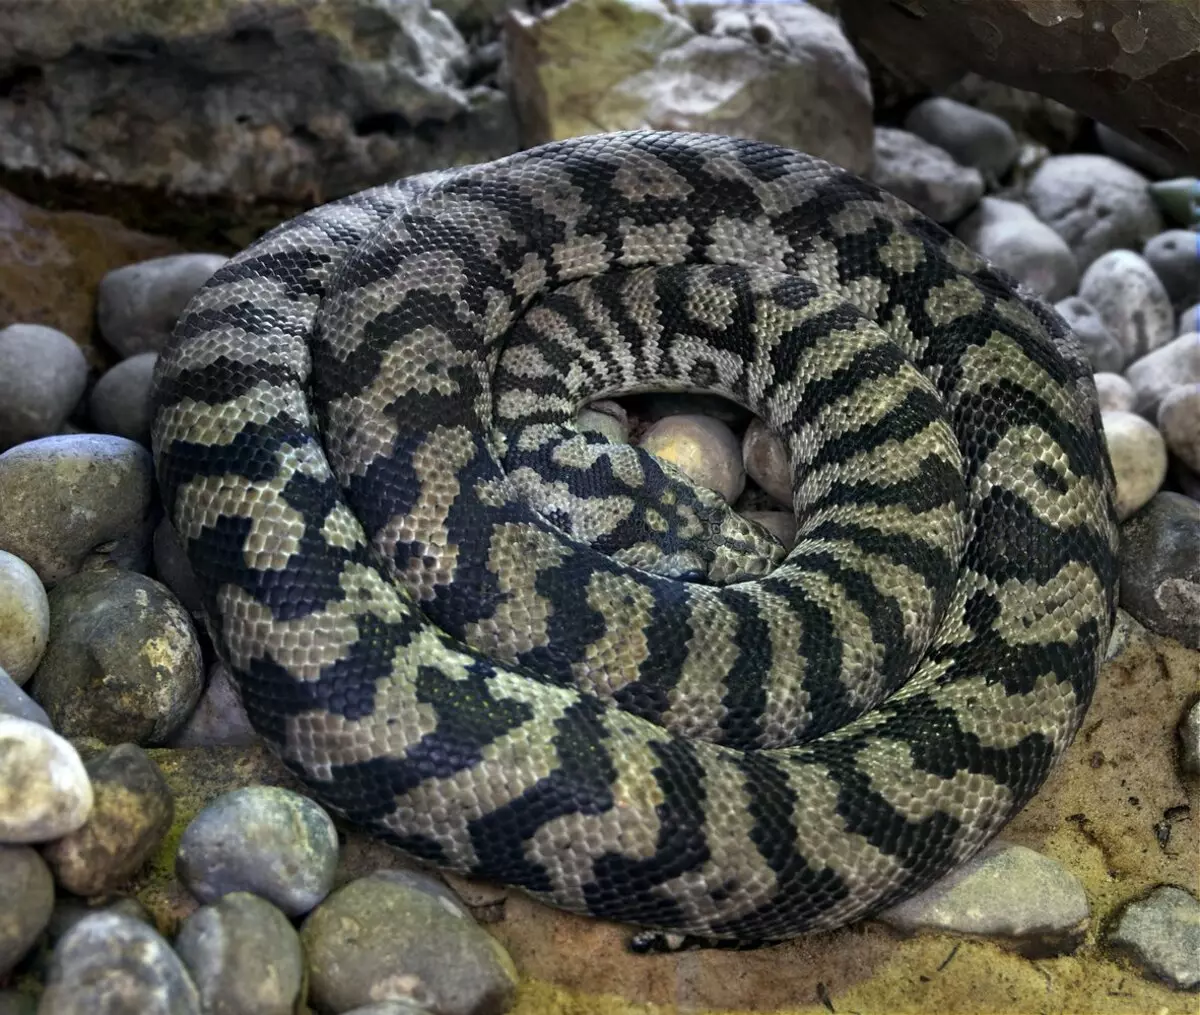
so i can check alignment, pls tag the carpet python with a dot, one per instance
(518, 651)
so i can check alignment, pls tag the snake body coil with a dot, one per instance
(520, 652)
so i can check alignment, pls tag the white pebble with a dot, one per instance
(1114, 392)
(24, 617)
(1139, 459)
(45, 792)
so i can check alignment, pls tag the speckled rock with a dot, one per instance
(44, 789)
(379, 939)
(244, 957)
(109, 963)
(1114, 393)
(1139, 459)
(1162, 934)
(219, 719)
(42, 377)
(124, 662)
(120, 401)
(272, 842)
(73, 500)
(138, 304)
(972, 136)
(24, 618)
(69, 910)
(14, 701)
(704, 449)
(1009, 235)
(1189, 741)
(1130, 300)
(766, 462)
(924, 175)
(1104, 352)
(174, 569)
(1189, 321)
(1154, 376)
(132, 812)
(28, 893)
(1179, 423)
(1094, 203)
(1160, 568)
(1016, 895)
(1175, 258)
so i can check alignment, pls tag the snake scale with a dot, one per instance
(516, 650)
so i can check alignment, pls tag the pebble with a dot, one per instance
(219, 720)
(132, 812)
(76, 499)
(261, 839)
(69, 910)
(1189, 741)
(14, 701)
(138, 304)
(1094, 203)
(924, 175)
(119, 966)
(28, 893)
(120, 401)
(781, 525)
(244, 957)
(1114, 392)
(1139, 459)
(1160, 568)
(24, 618)
(1162, 934)
(174, 569)
(1179, 198)
(605, 417)
(1130, 300)
(1104, 352)
(390, 1008)
(1010, 236)
(1175, 258)
(124, 662)
(1179, 423)
(1009, 892)
(972, 136)
(43, 374)
(765, 460)
(45, 792)
(1189, 321)
(1157, 374)
(381, 938)
(704, 449)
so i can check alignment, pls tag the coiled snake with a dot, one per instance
(518, 651)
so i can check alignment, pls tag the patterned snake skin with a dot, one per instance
(518, 651)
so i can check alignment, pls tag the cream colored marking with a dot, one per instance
(611, 661)
(903, 253)
(736, 241)
(951, 300)
(220, 425)
(1002, 721)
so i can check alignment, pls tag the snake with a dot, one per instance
(518, 649)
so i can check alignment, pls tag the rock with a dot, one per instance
(112, 964)
(1009, 235)
(605, 417)
(286, 101)
(120, 401)
(24, 618)
(387, 1008)
(1189, 741)
(1103, 351)
(42, 377)
(1052, 125)
(1179, 423)
(704, 449)
(219, 719)
(244, 957)
(1160, 568)
(1130, 300)
(1114, 392)
(1162, 933)
(1179, 199)
(1189, 321)
(379, 939)
(1094, 203)
(973, 137)
(1139, 459)
(52, 261)
(1132, 153)
(272, 842)
(1156, 375)
(124, 661)
(1027, 900)
(74, 500)
(138, 304)
(68, 911)
(14, 701)
(766, 461)
(598, 65)
(132, 812)
(28, 893)
(924, 175)
(781, 525)
(1175, 258)
(174, 569)
(44, 789)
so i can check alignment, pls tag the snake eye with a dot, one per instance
(696, 577)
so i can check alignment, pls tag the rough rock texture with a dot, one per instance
(252, 98)
(595, 65)
(1132, 65)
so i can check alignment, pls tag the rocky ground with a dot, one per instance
(152, 850)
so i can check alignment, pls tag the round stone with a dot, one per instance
(24, 618)
(45, 792)
(42, 376)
